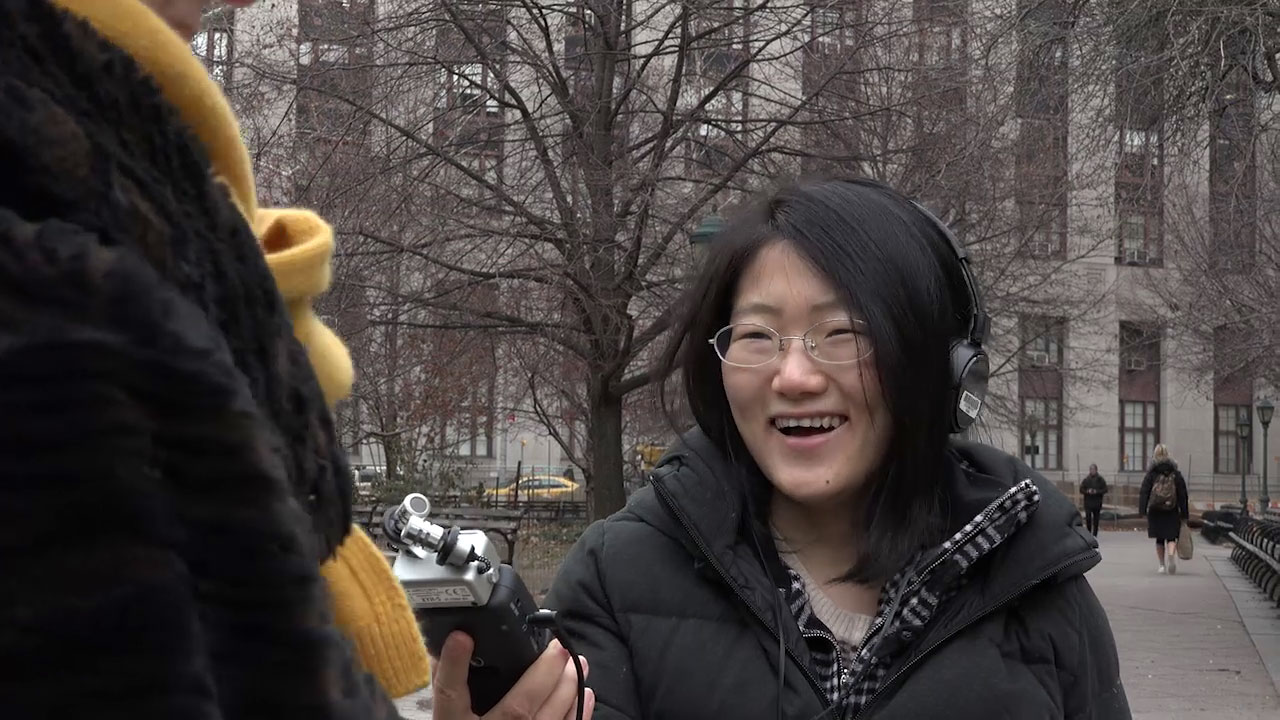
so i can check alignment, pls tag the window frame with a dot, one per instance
(204, 45)
(1239, 448)
(1048, 434)
(1148, 433)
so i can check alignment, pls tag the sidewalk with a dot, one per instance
(1185, 653)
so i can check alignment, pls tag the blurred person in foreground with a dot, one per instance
(178, 541)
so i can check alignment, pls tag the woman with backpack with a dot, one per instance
(1163, 500)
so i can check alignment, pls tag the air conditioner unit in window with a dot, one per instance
(1038, 358)
(1135, 364)
(1135, 256)
(1040, 248)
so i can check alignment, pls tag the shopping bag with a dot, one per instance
(1185, 545)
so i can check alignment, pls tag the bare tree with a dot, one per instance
(1203, 79)
(530, 173)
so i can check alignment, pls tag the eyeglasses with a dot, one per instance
(837, 342)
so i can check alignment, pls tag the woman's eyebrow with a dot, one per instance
(757, 307)
(760, 307)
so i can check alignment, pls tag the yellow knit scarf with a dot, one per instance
(369, 605)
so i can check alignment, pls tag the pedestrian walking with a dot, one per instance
(1163, 501)
(1093, 489)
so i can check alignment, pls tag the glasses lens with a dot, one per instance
(838, 341)
(747, 344)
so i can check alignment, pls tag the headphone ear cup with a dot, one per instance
(970, 371)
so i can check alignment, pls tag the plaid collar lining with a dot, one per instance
(852, 676)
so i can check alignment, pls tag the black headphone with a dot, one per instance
(970, 368)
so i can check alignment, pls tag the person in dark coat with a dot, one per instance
(1164, 524)
(1093, 489)
(817, 546)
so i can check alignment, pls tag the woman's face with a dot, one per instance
(809, 465)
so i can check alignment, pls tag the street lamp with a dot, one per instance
(1033, 427)
(706, 231)
(1242, 429)
(1265, 409)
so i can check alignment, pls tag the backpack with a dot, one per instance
(1164, 493)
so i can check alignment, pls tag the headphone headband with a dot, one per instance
(979, 321)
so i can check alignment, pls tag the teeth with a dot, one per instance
(826, 421)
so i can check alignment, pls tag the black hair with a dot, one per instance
(895, 269)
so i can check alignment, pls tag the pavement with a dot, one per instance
(1203, 644)
(1192, 645)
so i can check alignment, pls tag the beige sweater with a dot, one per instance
(849, 627)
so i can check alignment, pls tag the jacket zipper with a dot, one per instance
(841, 671)
(920, 578)
(986, 611)
(777, 633)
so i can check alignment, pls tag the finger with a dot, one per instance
(449, 681)
(564, 699)
(572, 692)
(537, 683)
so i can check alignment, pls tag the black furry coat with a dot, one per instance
(169, 477)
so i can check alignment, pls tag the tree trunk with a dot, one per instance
(605, 494)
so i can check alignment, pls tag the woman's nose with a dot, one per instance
(798, 372)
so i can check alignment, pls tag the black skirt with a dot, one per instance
(1164, 524)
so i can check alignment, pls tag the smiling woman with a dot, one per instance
(817, 544)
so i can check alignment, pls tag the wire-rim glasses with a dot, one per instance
(838, 341)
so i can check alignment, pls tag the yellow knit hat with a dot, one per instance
(369, 605)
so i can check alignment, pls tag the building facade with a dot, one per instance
(1047, 138)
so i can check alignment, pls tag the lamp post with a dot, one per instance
(1265, 409)
(1242, 429)
(1033, 428)
(706, 231)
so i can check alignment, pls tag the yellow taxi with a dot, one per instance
(537, 487)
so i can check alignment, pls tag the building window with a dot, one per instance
(1042, 433)
(1139, 105)
(1228, 448)
(1233, 176)
(1139, 394)
(828, 26)
(1045, 225)
(1040, 94)
(942, 44)
(1042, 341)
(471, 88)
(1139, 430)
(1040, 391)
(1233, 379)
(321, 53)
(1139, 219)
(213, 47)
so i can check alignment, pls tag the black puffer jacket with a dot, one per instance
(669, 601)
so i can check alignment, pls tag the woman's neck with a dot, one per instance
(823, 541)
(822, 537)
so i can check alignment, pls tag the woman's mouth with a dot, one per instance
(810, 426)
